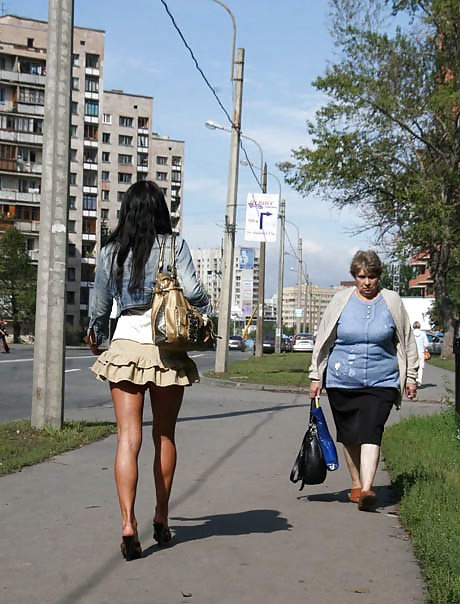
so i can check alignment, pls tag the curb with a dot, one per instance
(248, 386)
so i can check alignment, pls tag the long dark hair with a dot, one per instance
(143, 215)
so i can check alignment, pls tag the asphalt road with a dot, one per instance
(81, 387)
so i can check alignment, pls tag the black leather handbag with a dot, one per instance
(309, 466)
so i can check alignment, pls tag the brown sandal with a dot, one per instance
(367, 501)
(354, 495)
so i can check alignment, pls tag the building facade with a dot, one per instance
(208, 264)
(111, 147)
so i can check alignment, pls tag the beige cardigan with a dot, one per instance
(406, 348)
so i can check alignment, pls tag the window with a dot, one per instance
(92, 61)
(32, 95)
(141, 176)
(73, 131)
(70, 297)
(104, 214)
(89, 201)
(71, 250)
(92, 108)
(162, 160)
(105, 175)
(176, 160)
(91, 84)
(2, 95)
(118, 214)
(71, 226)
(125, 159)
(105, 156)
(142, 122)
(74, 108)
(164, 191)
(176, 176)
(76, 60)
(127, 141)
(69, 319)
(106, 118)
(124, 177)
(89, 179)
(30, 42)
(90, 132)
(142, 159)
(143, 141)
(120, 195)
(106, 137)
(125, 121)
(73, 155)
(75, 84)
(105, 195)
(73, 178)
(72, 202)
(162, 176)
(84, 295)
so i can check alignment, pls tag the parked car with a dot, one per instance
(434, 343)
(303, 342)
(268, 345)
(286, 344)
(236, 343)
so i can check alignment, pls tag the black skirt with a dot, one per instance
(360, 414)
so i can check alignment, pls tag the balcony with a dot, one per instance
(33, 196)
(27, 226)
(88, 237)
(88, 260)
(90, 166)
(90, 189)
(22, 78)
(29, 109)
(94, 71)
(28, 138)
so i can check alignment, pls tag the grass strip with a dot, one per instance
(270, 369)
(422, 455)
(21, 445)
(448, 364)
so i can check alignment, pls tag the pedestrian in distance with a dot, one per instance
(366, 357)
(3, 336)
(126, 271)
(421, 340)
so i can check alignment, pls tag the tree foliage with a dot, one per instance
(387, 141)
(17, 280)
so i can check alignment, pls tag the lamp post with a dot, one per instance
(299, 275)
(225, 308)
(261, 290)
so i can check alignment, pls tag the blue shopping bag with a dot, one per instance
(325, 439)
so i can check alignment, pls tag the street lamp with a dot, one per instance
(261, 291)
(299, 275)
(230, 212)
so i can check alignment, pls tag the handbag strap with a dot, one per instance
(314, 403)
(172, 269)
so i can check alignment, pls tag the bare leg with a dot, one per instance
(353, 459)
(370, 455)
(128, 402)
(166, 403)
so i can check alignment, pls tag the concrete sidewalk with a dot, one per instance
(244, 533)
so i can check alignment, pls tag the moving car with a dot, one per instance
(236, 343)
(303, 342)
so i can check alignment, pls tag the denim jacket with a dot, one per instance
(105, 290)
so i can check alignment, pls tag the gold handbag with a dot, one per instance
(176, 324)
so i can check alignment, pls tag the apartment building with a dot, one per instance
(313, 302)
(111, 147)
(208, 264)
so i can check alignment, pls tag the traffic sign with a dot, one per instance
(261, 217)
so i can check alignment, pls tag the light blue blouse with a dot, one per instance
(364, 352)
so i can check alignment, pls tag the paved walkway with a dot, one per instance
(244, 533)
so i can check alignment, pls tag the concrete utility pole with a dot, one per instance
(261, 290)
(49, 350)
(279, 300)
(230, 220)
(299, 284)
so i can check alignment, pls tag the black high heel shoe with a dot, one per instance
(131, 548)
(161, 533)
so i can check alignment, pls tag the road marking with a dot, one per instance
(87, 356)
(70, 370)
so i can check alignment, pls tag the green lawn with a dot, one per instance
(21, 445)
(274, 369)
(442, 363)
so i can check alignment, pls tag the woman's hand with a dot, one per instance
(315, 388)
(411, 390)
(90, 339)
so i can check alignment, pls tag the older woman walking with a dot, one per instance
(366, 357)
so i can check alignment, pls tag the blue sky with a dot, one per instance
(287, 44)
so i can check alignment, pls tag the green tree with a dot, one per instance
(18, 277)
(387, 140)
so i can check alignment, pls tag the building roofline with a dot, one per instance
(121, 92)
(102, 31)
